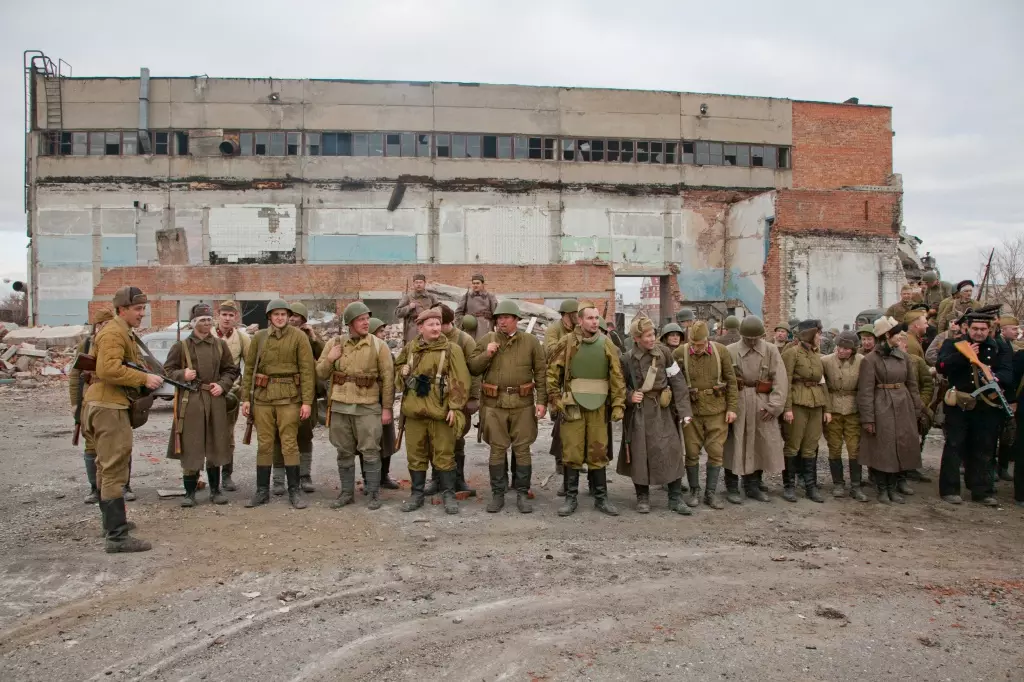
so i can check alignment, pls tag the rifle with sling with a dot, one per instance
(251, 418)
(965, 349)
(84, 362)
(81, 399)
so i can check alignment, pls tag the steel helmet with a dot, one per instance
(469, 323)
(669, 328)
(375, 324)
(507, 307)
(569, 305)
(278, 304)
(354, 310)
(299, 309)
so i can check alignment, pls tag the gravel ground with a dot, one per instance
(839, 591)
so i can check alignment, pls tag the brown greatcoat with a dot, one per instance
(754, 444)
(656, 452)
(205, 430)
(895, 446)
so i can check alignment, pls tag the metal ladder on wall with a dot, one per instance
(36, 62)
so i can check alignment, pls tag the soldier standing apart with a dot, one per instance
(78, 381)
(201, 434)
(585, 378)
(755, 444)
(933, 291)
(569, 310)
(361, 373)
(660, 400)
(956, 304)
(1009, 329)
(972, 424)
(278, 389)
(514, 371)
(105, 417)
(479, 303)
(805, 410)
(298, 317)
(238, 344)
(889, 407)
(708, 371)
(411, 305)
(842, 372)
(435, 383)
(387, 436)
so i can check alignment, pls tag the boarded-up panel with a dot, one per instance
(252, 233)
(512, 235)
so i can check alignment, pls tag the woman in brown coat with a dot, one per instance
(889, 406)
(201, 434)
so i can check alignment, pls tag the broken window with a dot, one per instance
(597, 150)
(542, 148)
(182, 146)
(670, 152)
(613, 150)
(294, 142)
(444, 149)
(783, 157)
(584, 147)
(262, 144)
(408, 145)
(504, 147)
(643, 152)
(161, 143)
(490, 147)
(757, 156)
(568, 150)
(392, 144)
(729, 155)
(423, 145)
(112, 144)
(130, 142)
(627, 151)
(657, 152)
(687, 152)
(472, 146)
(312, 144)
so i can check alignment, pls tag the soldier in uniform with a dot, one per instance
(513, 371)
(731, 334)
(902, 307)
(468, 324)
(479, 303)
(658, 401)
(1009, 330)
(387, 436)
(933, 291)
(842, 371)
(671, 336)
(805, 410)
(435, 382)
(568, 309)
(200, 434)
(685, 319)
(708, 370)
(916, 322)
(411, 305)
(925, 391)
(105, 415)
(238, 344)
(754, 444)
(78, 381)
(584, 378)
(279, 390)
(360, 371)
(782, 337)
(866, 336)
(956, 305)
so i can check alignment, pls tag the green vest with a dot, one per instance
(589, 373)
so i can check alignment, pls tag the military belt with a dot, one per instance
(206, 387)
(760, 386)
(843, 391)
(492, 390)
(360, 381)
(808, 383)
(892, 387)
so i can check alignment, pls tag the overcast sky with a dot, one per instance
(951, 71)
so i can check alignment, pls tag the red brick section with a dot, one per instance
(841, 145)
(330, 282)
(852, 212)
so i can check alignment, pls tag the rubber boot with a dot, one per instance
(448, 479)
(190, 483)
(373, 484)
(294, 491)
(856, 472)
(499, 483)
(675, 498)
(213, 475)
(262, 495)
(835, 466)
(599, 482)
(693, 476)
(116, 527)
(811, 480)
(386, 482)
(643, 498)
(789, 480)
(572, 491)
(279, 481)
(892, 483)
(460, 476)
(732, 488)
(880, 486)
(90, 473)
(225, 477)
(523, 475)
(434, 484)
(711, 493)
(753, 489)
(415, 501)
(306, 472)
(347, 483)
(902, 485)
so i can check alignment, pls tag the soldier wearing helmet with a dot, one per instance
(278, 390)
(730, 331)
(671, 335)
(842, 372)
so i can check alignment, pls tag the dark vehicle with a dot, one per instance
(867, 317)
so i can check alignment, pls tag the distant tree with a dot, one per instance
(1005, 282)
(14, 309)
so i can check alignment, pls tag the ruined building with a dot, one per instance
(325, 191)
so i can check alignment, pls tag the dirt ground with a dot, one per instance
(839, 591)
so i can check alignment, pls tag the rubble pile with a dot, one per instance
(25, 366)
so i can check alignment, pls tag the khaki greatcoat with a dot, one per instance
(754, 444)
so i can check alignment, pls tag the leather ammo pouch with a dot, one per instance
(763, 386)
(955, 398)
(570, 410)
(363, 381)
(261, 380)
(138, 409)
(489, 390)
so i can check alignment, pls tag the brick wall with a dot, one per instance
(841, 145)
(853, 212)
(342, 283)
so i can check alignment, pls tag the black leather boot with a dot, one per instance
(811, 480)
(373, 484)
(599, 480)
(262, 495)
(225, 481)
(306, 472)
(789, 480)
(732, 488)
(693, 477)
(433, 486)
(386, 482)
(856, 472)
(448, 482)
(835, 467)
(460, 476)
(90, 473)
(560, 469)
(523, 475)
(881, 488)
(643, 498)
(902, 486)
(572, 491)
(499, 483)
(190, 483)
(213, 474)
(892, 483)
(415, 501)
(116, 527)
(752, 486)
(346, 487)
(711, 480)
(675, 498)
(294, 490)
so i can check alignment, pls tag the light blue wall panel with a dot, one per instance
(119, 250)
(339, 248)
(63, 250)
(63, 311)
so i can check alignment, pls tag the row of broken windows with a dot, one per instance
(113, 143)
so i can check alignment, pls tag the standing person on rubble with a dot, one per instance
(569, 311)
(513, 370)
(238, 344)
(755, 443)
(78, 382)
(842, 374)
(658, 403)
(805, 412)
(106, 415)
(479, 303)
(361, 374)
(279, 390)
(200, 435)
(905, 304)
(412, 304)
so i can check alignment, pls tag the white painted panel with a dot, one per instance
(64, 283)
(191, 220)
(60, 221)
(366, 220)
(145, 243)
(247, 230)
(517, 235)
(117, 221)
(833, 297)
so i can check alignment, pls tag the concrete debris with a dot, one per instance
(26, 358)
(48, 337)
